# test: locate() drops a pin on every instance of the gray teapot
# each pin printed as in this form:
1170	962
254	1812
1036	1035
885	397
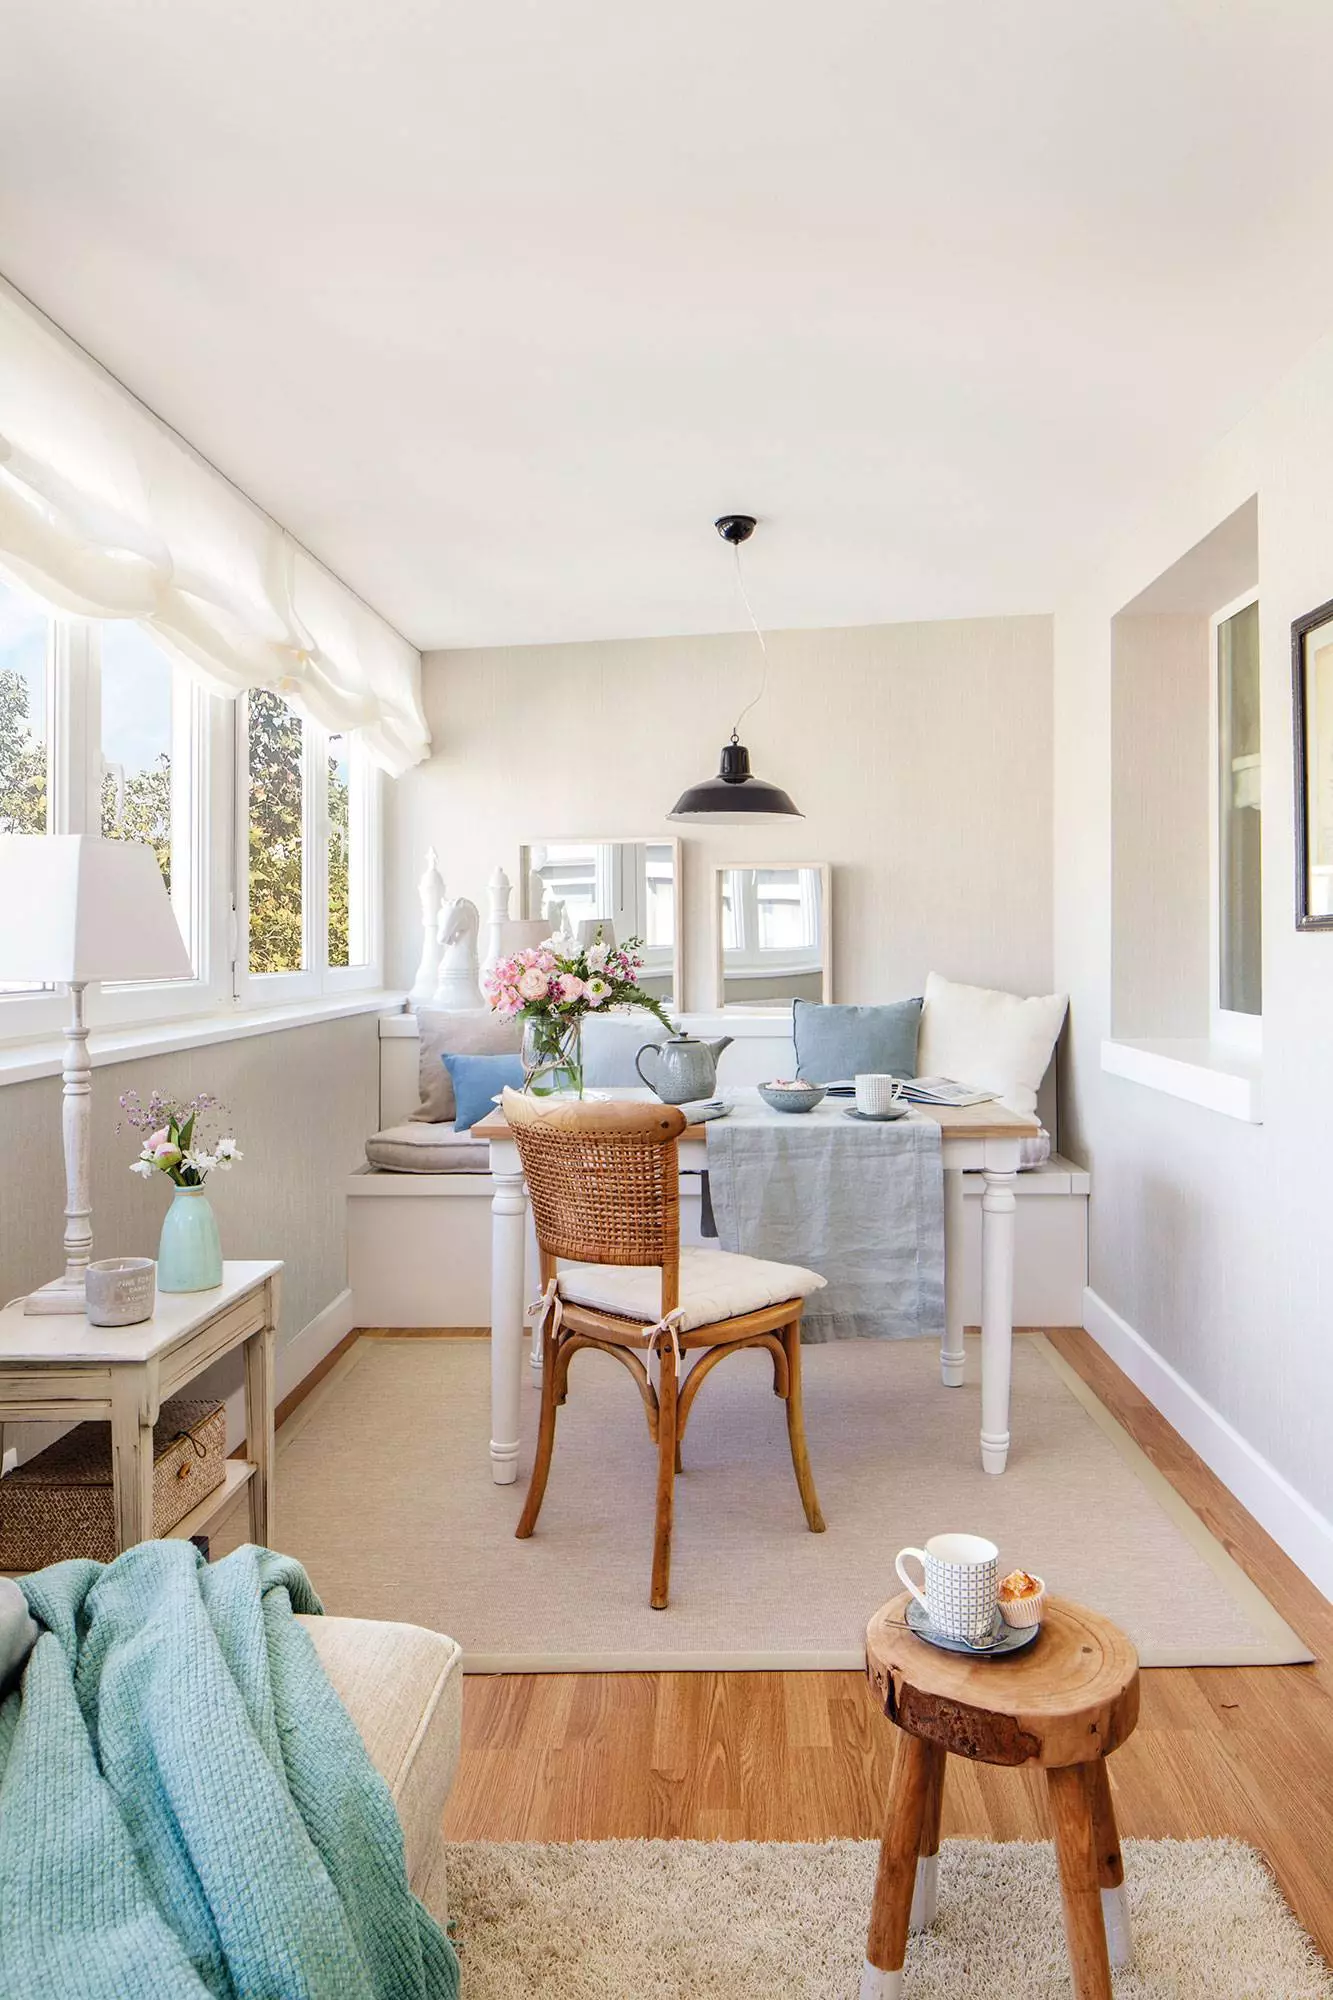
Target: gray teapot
682	1068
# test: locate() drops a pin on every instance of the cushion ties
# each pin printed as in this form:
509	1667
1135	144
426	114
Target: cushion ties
669	1323
548	1302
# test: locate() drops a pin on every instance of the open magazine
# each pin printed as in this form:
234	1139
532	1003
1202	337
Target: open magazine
927	1090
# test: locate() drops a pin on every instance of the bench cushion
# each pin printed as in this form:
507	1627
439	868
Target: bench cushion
427	1149
403	1688
714	1285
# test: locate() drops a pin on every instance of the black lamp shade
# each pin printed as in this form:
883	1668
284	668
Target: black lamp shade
734	794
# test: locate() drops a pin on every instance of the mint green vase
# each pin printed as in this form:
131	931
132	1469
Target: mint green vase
189	1256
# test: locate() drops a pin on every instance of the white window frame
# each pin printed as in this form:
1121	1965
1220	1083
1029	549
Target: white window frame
1242	1032
273	989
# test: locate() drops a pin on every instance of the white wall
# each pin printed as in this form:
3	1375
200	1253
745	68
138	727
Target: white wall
1212	1238
920	755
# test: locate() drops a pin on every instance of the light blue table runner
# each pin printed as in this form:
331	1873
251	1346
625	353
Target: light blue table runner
862	1204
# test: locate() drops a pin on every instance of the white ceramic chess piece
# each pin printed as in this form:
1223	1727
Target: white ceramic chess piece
431	891
497	893
458	987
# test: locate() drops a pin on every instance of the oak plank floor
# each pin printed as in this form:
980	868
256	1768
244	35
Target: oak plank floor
711	1756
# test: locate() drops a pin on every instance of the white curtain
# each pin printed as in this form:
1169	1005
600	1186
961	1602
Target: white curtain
106	513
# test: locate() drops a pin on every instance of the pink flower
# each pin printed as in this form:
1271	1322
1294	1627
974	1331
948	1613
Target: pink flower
546	960
532	984
162	1138
571	986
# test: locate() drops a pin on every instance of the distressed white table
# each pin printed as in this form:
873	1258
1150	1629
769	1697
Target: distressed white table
62	1370
978	1138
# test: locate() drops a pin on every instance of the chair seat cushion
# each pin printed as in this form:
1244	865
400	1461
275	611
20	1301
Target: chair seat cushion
714	1285
403	1688
427	1149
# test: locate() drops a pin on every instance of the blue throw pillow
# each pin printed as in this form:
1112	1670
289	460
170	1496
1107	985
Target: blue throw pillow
837	1042
477	1082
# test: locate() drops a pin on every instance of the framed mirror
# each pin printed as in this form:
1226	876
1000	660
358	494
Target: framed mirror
630	887
1312	715
772	932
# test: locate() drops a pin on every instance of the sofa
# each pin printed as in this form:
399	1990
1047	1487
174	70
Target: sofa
403	1688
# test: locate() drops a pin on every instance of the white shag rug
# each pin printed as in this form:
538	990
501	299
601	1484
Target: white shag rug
749	1920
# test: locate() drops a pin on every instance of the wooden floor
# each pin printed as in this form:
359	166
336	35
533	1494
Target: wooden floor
804	1756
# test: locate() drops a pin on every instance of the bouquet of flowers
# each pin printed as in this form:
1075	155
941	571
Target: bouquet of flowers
174	1142
553	988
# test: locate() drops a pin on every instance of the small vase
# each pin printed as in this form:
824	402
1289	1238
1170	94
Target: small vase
553	1056
189	1255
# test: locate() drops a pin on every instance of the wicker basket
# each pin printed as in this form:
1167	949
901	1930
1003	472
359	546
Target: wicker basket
58	1505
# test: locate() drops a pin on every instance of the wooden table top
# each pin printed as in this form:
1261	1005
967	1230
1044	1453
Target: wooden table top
966	1121
1070	1697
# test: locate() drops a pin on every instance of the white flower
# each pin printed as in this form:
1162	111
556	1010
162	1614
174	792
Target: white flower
563	945
595	990
227	1151
200	1163
143	1167
597	958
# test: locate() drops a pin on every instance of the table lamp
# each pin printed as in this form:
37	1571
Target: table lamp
75	908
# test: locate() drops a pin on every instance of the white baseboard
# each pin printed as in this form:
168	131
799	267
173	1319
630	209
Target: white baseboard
295	1359
1298	1528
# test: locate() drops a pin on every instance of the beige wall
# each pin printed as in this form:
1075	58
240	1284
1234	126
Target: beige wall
920	755
1209	1236
301	1105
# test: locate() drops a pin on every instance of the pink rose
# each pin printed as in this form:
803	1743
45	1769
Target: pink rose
571	986
532	984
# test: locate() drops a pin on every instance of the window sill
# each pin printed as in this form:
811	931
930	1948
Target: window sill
21	1062
1209	1074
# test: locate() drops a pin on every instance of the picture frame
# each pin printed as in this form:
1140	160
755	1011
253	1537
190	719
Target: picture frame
1312	736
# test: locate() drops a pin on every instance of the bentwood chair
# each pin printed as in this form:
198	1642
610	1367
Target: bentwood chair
605	1193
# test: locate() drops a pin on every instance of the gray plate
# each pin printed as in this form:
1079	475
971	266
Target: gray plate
875	1118
1008	1639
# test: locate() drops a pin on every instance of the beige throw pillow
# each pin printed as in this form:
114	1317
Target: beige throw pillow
477	1032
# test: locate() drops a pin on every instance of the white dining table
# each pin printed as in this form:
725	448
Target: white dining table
976	1138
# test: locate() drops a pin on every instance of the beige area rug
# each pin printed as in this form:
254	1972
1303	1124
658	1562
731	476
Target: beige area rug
681	1919
384	1492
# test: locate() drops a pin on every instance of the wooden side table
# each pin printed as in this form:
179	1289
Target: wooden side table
63	1369
1065	1703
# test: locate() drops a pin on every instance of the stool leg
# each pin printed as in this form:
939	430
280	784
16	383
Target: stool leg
914	1776
1070	1793
1110	1867
926	1893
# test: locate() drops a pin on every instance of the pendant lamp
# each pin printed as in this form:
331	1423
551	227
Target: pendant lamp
735	796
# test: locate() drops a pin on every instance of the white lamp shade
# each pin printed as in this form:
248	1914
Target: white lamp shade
74	907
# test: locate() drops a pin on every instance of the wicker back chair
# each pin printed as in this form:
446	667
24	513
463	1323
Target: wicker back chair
603	1182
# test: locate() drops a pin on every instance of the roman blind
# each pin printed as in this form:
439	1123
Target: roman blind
107	513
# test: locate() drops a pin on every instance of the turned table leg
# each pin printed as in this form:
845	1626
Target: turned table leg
1072	1814
998	1207
508	1211
916	1769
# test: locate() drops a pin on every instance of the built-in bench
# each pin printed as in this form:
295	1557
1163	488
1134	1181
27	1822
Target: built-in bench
419	1245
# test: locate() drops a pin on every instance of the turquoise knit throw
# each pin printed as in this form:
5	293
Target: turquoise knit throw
186	1807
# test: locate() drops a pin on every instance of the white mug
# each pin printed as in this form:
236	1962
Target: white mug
961	1578
877	1094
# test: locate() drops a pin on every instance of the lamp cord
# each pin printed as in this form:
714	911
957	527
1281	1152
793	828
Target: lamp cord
763	684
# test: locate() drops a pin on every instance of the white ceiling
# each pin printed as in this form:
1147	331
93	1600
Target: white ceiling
496	306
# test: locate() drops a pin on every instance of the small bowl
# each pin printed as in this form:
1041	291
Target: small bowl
792	1097
1021	1611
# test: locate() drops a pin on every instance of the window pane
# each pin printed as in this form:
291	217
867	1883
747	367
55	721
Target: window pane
277	810
1239	853
660	891
347	945
23	650
136	741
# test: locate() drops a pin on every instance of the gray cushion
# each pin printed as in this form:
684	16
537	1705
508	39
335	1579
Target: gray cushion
610	1044
477	1032
837	1042
428	1149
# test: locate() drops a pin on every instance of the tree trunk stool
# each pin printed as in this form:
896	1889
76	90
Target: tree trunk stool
1064	1703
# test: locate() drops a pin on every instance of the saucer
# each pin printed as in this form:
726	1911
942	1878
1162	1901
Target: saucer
874	1117
1008	1638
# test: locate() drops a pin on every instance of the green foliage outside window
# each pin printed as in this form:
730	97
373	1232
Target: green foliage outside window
22	760
140	809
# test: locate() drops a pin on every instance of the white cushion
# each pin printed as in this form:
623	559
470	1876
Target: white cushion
714	1285
403	1688
427	1149
993	1041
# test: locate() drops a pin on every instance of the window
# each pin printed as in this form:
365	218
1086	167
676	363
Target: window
276	848
24	653
137	741
1237	832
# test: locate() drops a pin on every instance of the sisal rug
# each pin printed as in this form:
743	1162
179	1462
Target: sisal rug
680	1919
384	1492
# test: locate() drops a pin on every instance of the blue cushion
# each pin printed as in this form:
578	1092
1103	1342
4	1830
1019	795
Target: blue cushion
837	1042
477	1082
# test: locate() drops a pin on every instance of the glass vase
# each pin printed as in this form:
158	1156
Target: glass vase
189	1255
553	1056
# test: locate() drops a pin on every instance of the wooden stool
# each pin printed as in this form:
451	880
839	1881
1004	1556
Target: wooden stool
1064	1703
